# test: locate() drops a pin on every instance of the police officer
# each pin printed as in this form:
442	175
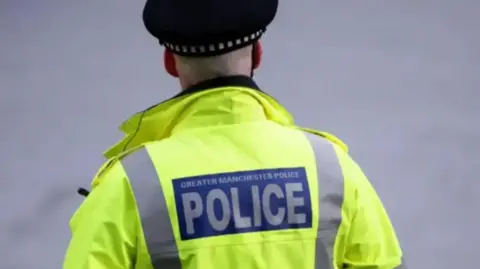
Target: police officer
219	177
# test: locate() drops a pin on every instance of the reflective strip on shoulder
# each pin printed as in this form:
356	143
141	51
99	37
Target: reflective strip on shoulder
153	210
331	195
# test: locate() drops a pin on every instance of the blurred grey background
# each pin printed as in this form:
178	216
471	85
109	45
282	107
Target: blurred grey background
397	80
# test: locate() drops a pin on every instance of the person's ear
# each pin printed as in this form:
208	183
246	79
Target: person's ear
257	55
169	63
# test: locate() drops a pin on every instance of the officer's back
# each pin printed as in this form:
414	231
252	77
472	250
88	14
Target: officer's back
219	176
236	194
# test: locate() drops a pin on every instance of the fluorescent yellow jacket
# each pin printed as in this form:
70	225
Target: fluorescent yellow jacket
219	177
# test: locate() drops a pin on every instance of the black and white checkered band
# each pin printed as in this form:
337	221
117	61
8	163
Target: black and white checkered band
212	49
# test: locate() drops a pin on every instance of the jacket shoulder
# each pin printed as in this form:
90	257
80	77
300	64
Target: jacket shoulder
330	137
111	165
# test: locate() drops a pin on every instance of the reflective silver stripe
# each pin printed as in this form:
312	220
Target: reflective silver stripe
152	208
330	191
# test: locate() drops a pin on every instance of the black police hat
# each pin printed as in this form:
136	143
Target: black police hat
208	27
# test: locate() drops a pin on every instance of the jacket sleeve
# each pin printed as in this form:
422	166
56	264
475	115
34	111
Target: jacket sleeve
104	226
371	241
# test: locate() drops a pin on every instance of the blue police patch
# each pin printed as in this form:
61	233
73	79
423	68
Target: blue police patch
241	202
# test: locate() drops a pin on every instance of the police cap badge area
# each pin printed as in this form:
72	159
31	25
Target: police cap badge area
208	27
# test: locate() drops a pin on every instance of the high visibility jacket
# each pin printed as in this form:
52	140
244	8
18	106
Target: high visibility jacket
219	177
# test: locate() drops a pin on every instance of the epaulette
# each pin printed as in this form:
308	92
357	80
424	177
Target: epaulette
330	137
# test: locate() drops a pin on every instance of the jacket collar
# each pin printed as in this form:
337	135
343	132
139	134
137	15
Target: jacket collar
158	121
230	81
